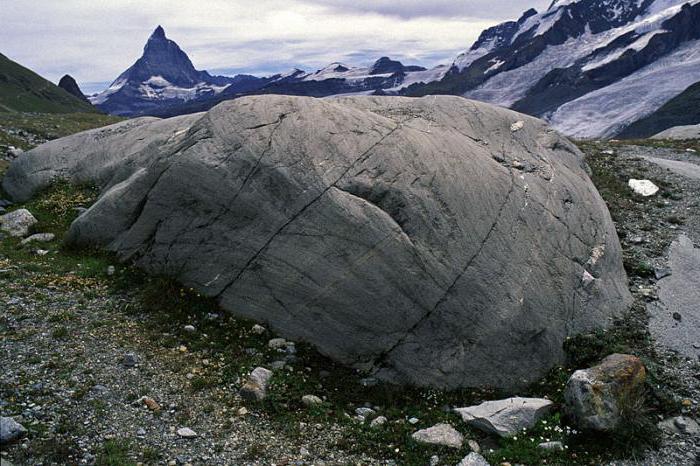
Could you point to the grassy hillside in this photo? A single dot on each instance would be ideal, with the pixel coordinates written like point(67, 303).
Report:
point(684, 109)
point(22, 90)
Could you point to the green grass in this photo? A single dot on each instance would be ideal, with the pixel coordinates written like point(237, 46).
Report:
point(114, 452)
point(22, 90)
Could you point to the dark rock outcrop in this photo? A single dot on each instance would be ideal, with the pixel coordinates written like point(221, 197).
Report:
point(68, 84)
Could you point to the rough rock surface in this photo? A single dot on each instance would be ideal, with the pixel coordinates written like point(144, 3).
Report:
point(439, 434)
point(506, 417)
point(10, 430)
point(596, 397)
point(372, 227)
point(17, 223)
point(679, 132)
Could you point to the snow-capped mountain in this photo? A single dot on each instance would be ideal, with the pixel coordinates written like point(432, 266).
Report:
point(164, 82)
point(163, 76)
point(590, 67)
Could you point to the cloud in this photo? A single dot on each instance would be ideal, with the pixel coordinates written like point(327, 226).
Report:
point(96, 40)
point(486, 9)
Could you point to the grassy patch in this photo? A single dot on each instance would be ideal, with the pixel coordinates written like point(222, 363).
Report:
point(114, 452)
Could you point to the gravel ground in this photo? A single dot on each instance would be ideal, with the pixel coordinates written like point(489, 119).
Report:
point(647, 227)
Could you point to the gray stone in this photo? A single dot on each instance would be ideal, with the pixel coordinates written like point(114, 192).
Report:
point(371, 227)
point(277, 343)
point(186, 432)
point(594, 397)
point(680, 425)
point(130, 360)
point(17, 223)
point(474, 445)
point(189, 328)
point(10, 430)
point(378, 421)
point(39, 238)
point(439, 434)
point(473, 459)
point(506, 417)
point(255, 388)
point(365, 412)
point(258, 329)
point(311, 400)
point(555, 446)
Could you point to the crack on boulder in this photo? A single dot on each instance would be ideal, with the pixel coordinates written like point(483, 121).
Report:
point(379, 361)
point(265, 246)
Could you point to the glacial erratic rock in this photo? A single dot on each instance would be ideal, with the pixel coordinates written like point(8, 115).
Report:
point(420, 239)
point(506, 417)
point(596, 398)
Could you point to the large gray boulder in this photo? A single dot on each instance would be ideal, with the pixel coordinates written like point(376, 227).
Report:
point(435, 241)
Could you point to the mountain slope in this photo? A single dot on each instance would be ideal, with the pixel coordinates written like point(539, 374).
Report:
point(22, 90)
point(569, 61)
point(682, 110)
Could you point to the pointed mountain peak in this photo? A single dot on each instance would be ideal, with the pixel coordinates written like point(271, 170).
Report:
point(158, 33)
point(67, 83)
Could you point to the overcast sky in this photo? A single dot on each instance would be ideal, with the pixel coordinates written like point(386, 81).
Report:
point(95, 40)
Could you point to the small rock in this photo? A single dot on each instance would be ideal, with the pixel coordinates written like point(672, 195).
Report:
point(677, 316)
point(378, 421)
point(434, 460)
point(242, 411)
point(474, 446)
point(609, 152)
point(587, 279)
point(473, 459)
point(111, 270)
point(39, 238)
point(365, 412)
point(130, 360)
point(593, 396)
point(660, 273)
point(555, 446)
point(311, 400)
point(41, 252)
point(413, 421)
point(186, 432)
point(517, 126)
point(506, 417)
point(17, 223)
point(680, 425)
point(636, 240)
point(439, 434)
point(10, 430)
point(189, 328)
point(150, 403)
point(141, 432)
point(255, 388)
point(643, 187)
point(182, 348)
point(277, 343)
point(258, 329)
point(303, 452)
